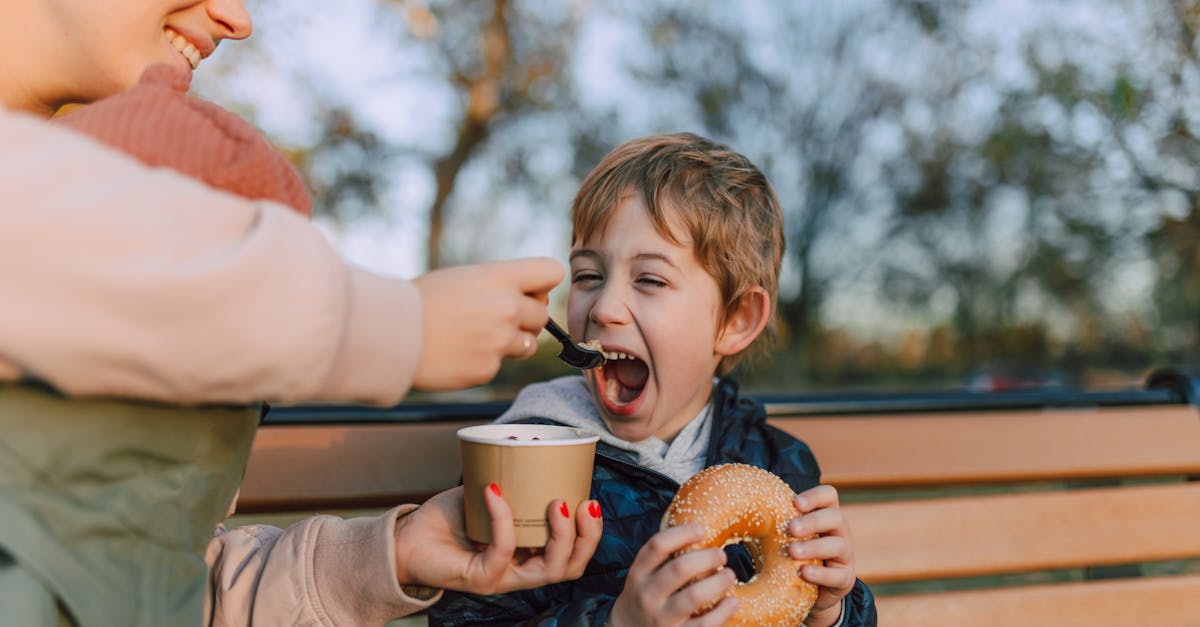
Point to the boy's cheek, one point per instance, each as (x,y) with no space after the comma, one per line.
(589,376)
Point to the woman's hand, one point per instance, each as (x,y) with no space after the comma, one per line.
(665,590)
(821,514)
(432,548)
(475,316)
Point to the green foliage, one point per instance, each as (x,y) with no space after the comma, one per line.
(1124,100)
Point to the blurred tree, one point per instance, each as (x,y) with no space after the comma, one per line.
(1173,244)
(501,57)
(964,183)
(1060,162)
(347,166)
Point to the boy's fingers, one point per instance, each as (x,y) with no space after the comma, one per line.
(703,593)
(718,615)
(828,576)
(662,544)
(823,521)
(816,497)
(681,569)
(823,548)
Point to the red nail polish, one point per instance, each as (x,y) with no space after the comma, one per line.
(495,489)
(565,512)
(594,509)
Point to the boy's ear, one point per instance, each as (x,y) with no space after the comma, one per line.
(744,323)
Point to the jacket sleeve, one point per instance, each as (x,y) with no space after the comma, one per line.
(860,607)
(121,280)
(321,571)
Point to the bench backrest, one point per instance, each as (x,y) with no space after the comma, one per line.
(1065,489)
(999,502)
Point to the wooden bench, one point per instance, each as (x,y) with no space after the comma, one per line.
(1001,509)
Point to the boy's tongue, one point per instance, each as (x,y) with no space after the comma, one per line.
(631,374)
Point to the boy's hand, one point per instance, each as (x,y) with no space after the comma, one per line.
(665,590)
(432,548)
(820,514)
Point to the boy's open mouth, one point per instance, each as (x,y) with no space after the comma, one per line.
(622,380)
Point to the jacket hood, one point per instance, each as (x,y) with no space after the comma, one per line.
(567,401)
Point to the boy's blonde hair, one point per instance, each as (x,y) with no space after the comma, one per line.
(724,202)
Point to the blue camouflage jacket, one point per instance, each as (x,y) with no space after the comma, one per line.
(633,500)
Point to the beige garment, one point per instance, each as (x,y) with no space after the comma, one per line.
(321,571)
(121,280)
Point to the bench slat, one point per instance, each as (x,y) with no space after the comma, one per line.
(1172,601)
(312,467)
(981,535)
(908,450)
(300,468)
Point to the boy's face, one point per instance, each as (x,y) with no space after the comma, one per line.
(647,298)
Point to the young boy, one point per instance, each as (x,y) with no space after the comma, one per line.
(674,268)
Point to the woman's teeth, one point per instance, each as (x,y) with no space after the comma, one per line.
(184,47)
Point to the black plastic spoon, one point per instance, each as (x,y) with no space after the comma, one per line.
(573,353)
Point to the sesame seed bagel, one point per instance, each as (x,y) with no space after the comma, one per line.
(737,503)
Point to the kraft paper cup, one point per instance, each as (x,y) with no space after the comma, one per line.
(533,465)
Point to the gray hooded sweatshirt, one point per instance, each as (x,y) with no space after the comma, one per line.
(566,400)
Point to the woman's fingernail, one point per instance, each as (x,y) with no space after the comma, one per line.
(564,511)
(495,489)
(594,509)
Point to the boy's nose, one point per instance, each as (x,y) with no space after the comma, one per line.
(231,17)
(609,308)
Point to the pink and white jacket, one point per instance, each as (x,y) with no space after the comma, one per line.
(117,280)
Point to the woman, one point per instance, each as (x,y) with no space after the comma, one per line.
(143,317)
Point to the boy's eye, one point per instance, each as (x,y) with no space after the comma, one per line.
(585,277)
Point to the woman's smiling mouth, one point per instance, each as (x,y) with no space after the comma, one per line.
(185,47)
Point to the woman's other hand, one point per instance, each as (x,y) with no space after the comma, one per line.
(432,547)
